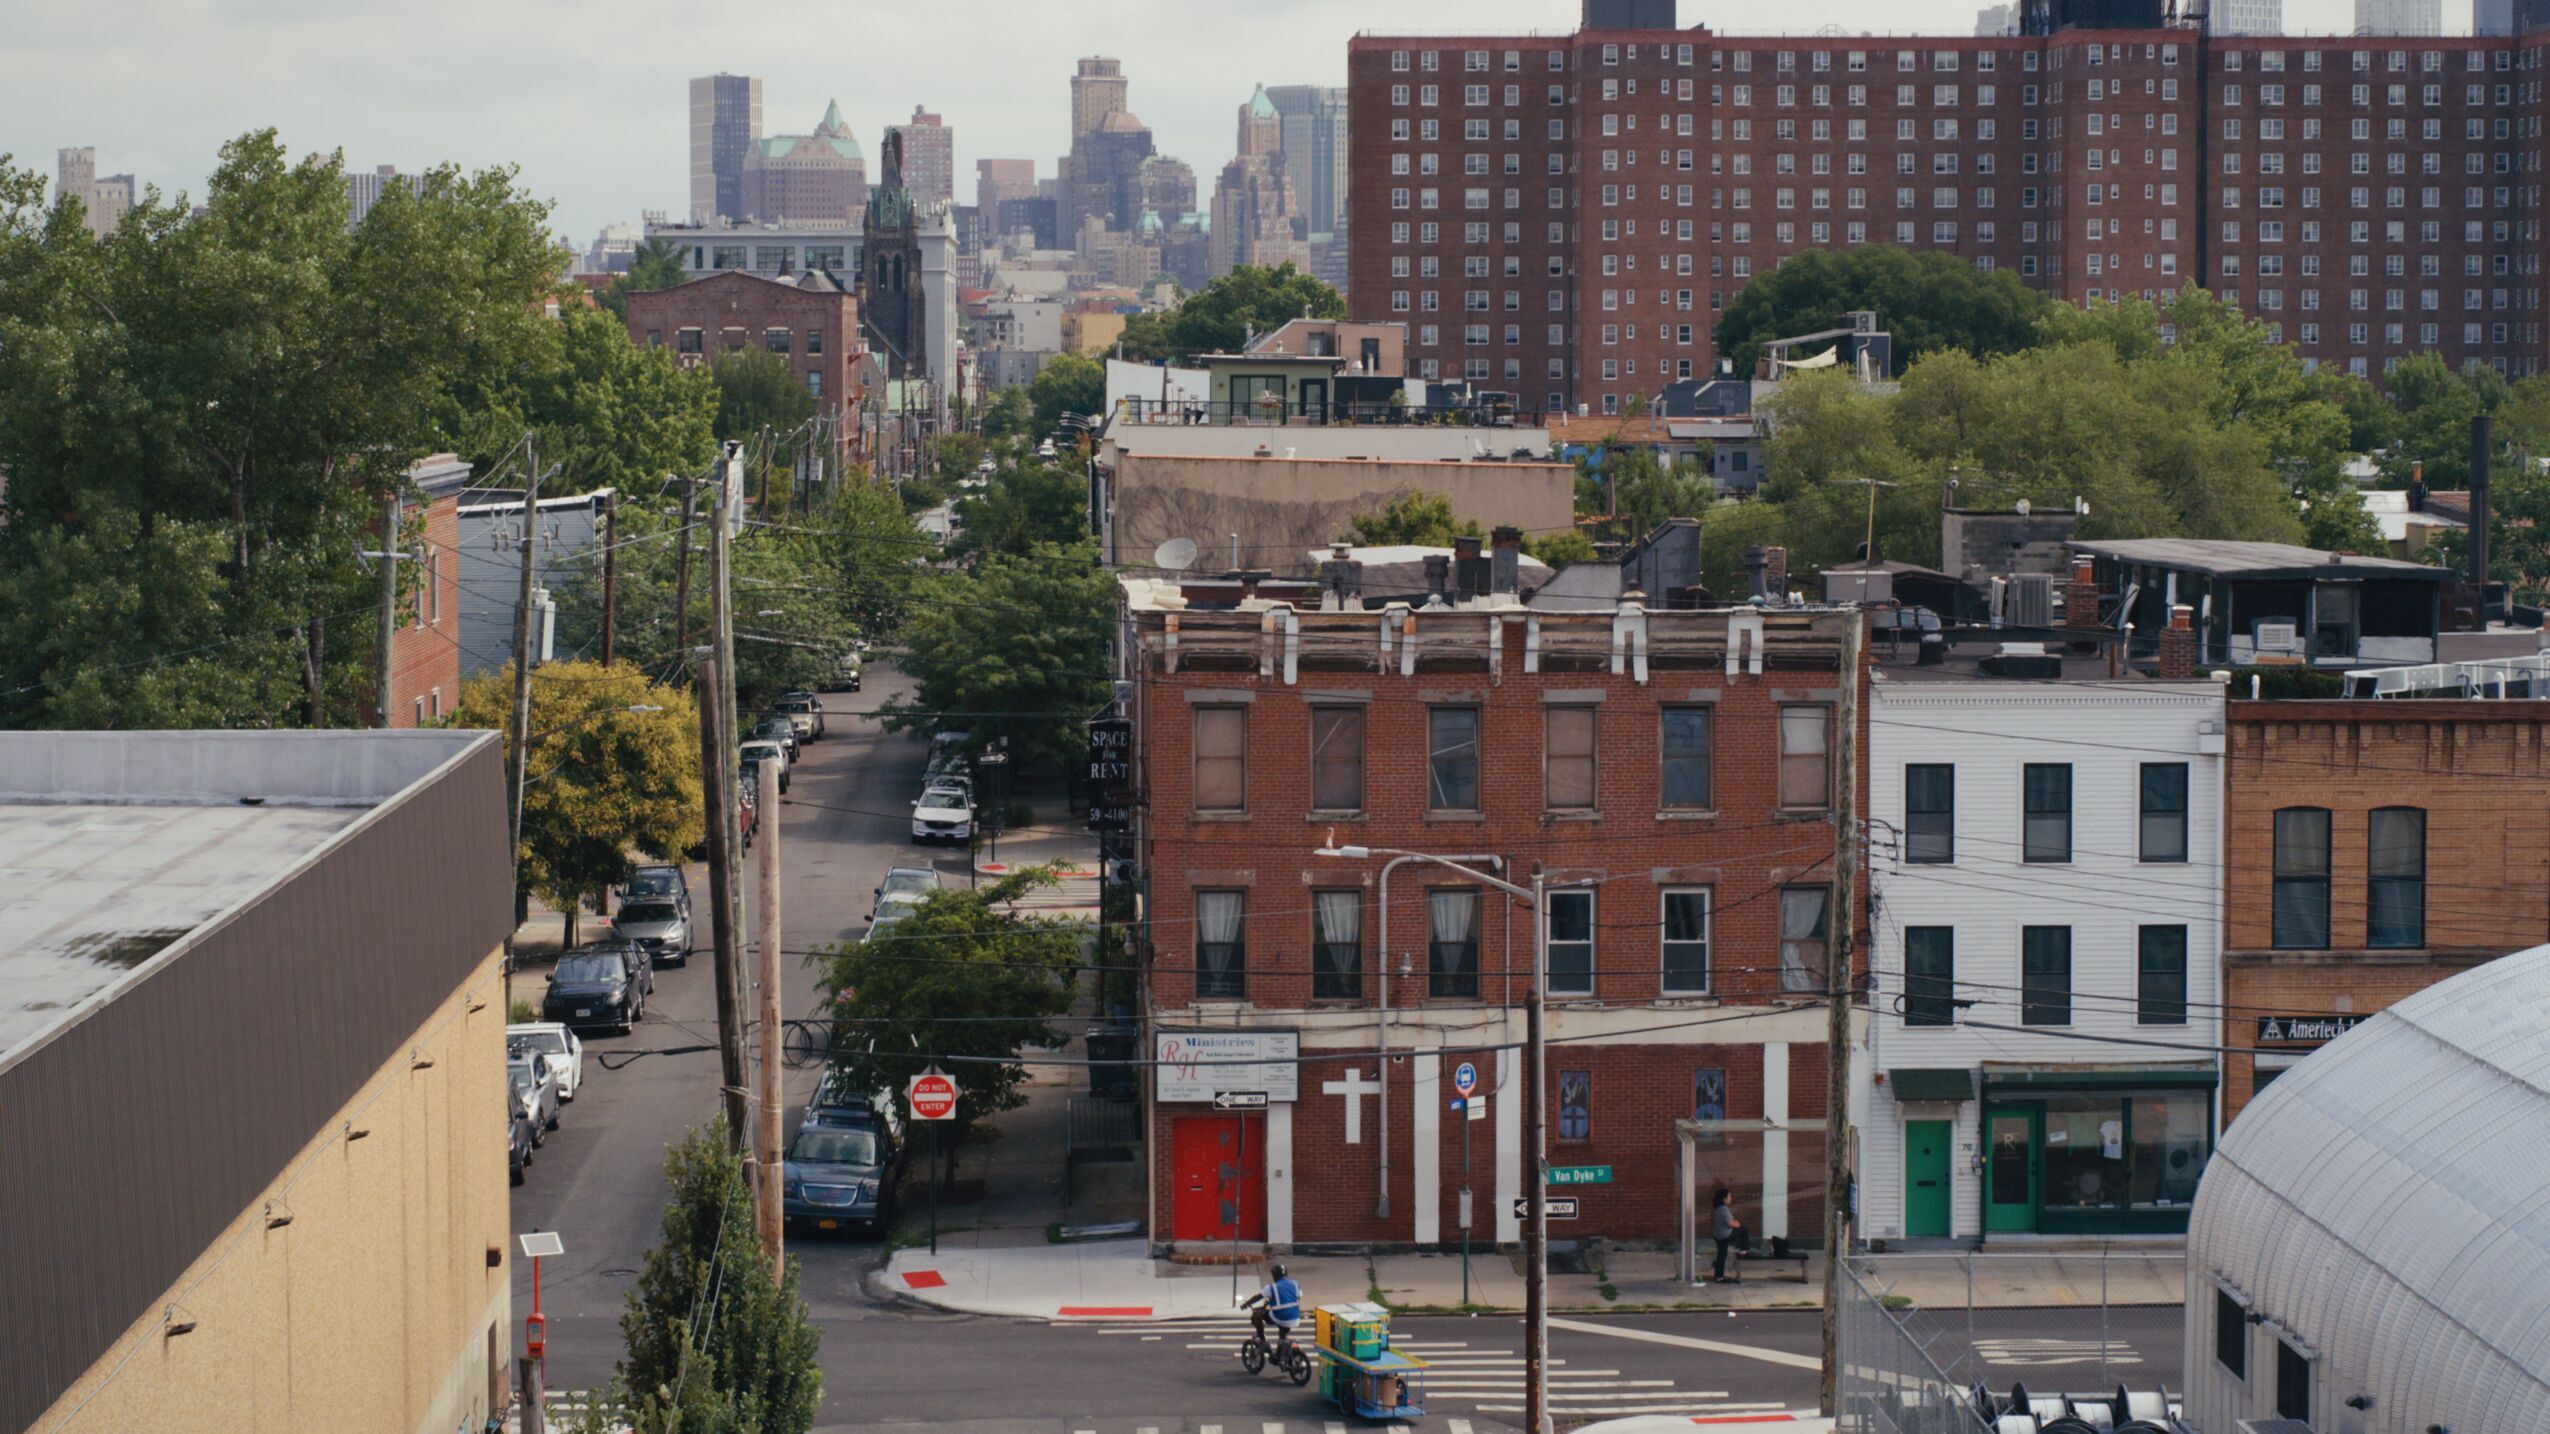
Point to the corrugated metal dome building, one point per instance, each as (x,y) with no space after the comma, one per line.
(2370,1249)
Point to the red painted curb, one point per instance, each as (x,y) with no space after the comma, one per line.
(924,1279)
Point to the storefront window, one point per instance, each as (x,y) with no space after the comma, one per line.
(2114,1152)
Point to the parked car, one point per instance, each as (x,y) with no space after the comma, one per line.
(748,808)
(903,886)
(838,1102)
(801,700)
(804,713)
(658,927)
(535,1091)
(563,1048)
(594,986)
(780,730)
(837,1176)
(943,813)
(658,880)
(763,751)
(845,672)
(519,1136)
(640,960)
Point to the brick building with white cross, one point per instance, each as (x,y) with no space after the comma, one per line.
(1670,773)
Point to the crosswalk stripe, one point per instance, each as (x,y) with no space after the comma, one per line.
(1208,1429)
(1336,1429)
(1686,1409)
(1456,1426)
(1273,1428)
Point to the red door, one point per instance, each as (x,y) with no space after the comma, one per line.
(1219,1165)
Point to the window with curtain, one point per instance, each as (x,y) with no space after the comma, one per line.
(2160,979)
(1575,1105)
(2045,975)
(1452,759)
(1571,942)
(1452,943)
(2164,811)
(2302,879)
(2047,835)
(1686,971)
(1930,813)
(1686,783)
(2395,871)
(1221,954)
(1806,761)
(1803,946)
(1337,759)
(1567,758)
(1221,759)
(1930,975)
(1337,945)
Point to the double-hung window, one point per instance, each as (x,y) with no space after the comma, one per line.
(1570,945)
(2302,879)
(1686,941)
(2047,834)
(1567,760)
(2164,811)
(1930,975)
(1337,960)
(1452,942)
(1452,759)
(1930,813)
(1803,945)
(2045,975)
(1221,950)
(2160,976)
(1337,759)
(1686,775)
(2395,868)
(1221,758)
(1806,763)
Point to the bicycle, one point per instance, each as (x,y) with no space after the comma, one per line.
(1291,1358)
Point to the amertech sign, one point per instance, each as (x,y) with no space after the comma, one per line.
(2304,1030)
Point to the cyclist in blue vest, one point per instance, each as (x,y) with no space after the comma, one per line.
(1279,1304)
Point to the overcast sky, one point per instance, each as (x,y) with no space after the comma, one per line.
(589,98)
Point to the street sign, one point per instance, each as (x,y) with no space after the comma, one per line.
(1465,1078)
(932,1096)
(1110,816)
(1239,1100)
(1560,1207)
(1580,1175)
(1474,1107)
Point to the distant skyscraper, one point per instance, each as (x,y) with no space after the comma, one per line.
(2399,17)
(362,191)
(725,121)
(818,178)
(997,180)
(1992,20)
(2492,17)
(2244,17)
(1314,141)
(1098,90)
(1254,215)
(929,158)
(103,200)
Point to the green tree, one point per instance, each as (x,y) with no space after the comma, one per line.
(1221,316)
(206,410)
(715,1343)
(758,392)
(657,265)
(613,770)
(609,412)
(1068,383)
(1411,520)
(1023,506)
(1928,302)
(961,976)
(1011,414)
(874,556)
(956,457)
(1018,644)
(2432,410)
(1632,481)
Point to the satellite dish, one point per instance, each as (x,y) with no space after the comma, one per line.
(1177,555)
(2025,507)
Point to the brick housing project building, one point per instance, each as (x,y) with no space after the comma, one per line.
(1563,217)
(1671,773)
(2374,848)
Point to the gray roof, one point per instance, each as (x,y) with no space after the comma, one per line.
(2223,557)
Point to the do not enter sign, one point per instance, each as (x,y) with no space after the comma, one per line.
(932,1096)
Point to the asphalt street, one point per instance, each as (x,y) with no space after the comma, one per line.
(599,1184)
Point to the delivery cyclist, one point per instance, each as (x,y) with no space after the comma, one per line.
(1279,1304)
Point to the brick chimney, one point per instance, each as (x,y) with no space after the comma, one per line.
(1775,572)
(2080,595)
(1506,561)
(2178,645)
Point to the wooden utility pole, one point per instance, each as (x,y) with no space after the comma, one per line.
(774,1212)
(522,659)
(682,572)
(610,569)
(725,851)
(1840,926)
(1536,1204)
(389,613)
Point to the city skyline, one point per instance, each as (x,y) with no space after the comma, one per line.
(434,95)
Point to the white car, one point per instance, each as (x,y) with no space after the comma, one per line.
(775,752)
(563,1047)
(943,814)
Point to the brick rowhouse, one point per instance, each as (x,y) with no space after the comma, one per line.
(1563,217)
(2374,848)
(1481,728)
(425,663)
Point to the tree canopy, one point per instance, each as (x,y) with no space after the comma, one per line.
(1014,647)
(1022,506)
(1068,383)
(1218,318)
(1927,302)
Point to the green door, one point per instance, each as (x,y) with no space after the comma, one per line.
(1926,1177)
(2010,1171)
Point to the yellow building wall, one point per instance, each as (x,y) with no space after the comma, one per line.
(372,1309)
(1092,334)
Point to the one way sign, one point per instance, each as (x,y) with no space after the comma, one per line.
(1561,1207)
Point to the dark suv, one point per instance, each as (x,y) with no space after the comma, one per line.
(598,986)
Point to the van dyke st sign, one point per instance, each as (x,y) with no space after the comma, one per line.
(2304,1030)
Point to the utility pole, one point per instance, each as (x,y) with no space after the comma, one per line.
(522,660)
(682,572)
(774,1211)
(728,874)
(610,569)
(389,613)
(1838,982)
(721,797)
(1536,1201)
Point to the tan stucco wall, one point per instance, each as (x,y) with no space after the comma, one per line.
(1282,508)
(371,1309)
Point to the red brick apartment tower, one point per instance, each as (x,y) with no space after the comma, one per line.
(1680,762)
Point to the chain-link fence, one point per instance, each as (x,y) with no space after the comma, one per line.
(2089,1317)
(1892,1379)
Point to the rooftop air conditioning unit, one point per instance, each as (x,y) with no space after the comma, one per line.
(2279,637)
(2031,600)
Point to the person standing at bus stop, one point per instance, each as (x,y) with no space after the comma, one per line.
(1726,1229)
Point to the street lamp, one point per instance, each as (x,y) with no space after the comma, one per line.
(996,758)
(1535,1066)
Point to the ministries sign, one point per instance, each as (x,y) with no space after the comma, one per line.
(2304,1030)
(1200,1065)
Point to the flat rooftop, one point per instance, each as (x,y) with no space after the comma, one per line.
(1391,443)
(2222,557)
(116,847)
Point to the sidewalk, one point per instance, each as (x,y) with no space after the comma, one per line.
(1118,1280)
